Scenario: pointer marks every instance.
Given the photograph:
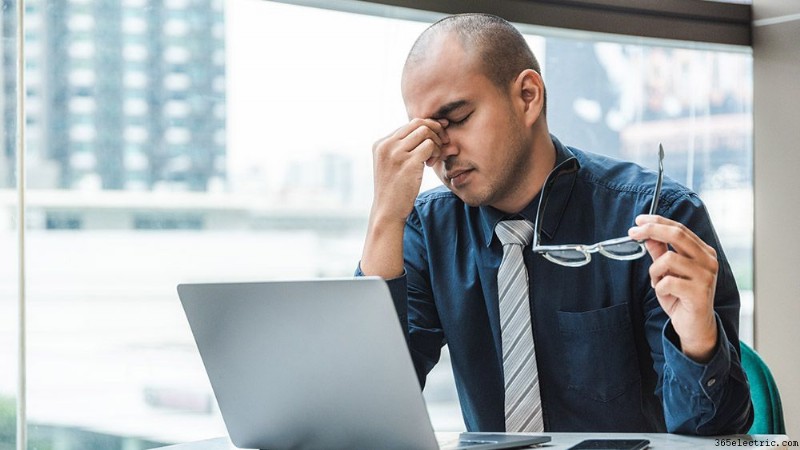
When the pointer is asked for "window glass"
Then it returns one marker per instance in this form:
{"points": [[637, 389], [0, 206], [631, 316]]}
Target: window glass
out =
{"points": [[624, 98], [219, 141], [9, 278]]}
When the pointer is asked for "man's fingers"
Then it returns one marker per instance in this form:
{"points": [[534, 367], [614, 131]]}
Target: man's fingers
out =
{"points": [[670, 289], [427, 151], [434, 125], [668, 302], [673, 289], [671, 263], [666, 231], [407, 139], [418, 136], [644, 219], [655, 249], [664, 265]]}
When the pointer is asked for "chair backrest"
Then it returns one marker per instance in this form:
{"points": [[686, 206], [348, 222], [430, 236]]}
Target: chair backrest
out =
{"points": [[764, 393]]}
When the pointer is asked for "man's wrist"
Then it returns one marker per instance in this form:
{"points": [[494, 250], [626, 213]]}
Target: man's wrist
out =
{"points": [[380, 221], [383, 248], [701, 349]]}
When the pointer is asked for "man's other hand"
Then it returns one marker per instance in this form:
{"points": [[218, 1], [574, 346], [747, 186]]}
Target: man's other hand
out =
{"points": [[684, 278]]}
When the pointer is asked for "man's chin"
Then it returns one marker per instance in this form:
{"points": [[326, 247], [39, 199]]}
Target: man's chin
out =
{"points": [[470, 200]]}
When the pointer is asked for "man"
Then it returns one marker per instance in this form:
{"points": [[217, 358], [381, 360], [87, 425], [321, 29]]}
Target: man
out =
{"points": [[646, 344]]}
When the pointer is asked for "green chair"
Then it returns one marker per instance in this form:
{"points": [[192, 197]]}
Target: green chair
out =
{"points": [[764, 392]]}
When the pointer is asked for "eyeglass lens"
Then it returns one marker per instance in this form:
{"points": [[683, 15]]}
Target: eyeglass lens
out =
{"points": [[624, 249], [567, 256]]}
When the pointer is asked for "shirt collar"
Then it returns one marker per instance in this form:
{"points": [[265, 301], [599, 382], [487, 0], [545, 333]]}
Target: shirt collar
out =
{"points": [[562, 178]]}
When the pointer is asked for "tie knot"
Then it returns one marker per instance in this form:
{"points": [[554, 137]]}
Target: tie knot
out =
{"points": [[518, 232]]}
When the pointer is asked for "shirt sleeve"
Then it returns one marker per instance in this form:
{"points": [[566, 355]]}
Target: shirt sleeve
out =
{"points": [[711, 398], [397, 289], [705, 399], [413, 300]]}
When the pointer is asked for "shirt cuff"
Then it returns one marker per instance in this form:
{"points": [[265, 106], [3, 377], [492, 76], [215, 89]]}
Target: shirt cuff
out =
{"points": [[701, 379]]}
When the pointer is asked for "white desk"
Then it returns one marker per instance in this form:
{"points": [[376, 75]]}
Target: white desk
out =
{"points": [[561, 441]]}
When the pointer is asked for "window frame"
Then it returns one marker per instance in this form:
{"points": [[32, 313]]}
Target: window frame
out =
{"points": [[685, 20]]}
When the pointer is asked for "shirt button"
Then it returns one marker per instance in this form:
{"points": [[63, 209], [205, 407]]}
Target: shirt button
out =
{"points": [[711, 382]]}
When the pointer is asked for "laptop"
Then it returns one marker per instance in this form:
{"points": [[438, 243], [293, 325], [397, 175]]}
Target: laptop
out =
{"points": [[317, 364]]}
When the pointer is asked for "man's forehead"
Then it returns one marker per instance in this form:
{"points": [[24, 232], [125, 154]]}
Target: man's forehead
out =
{"points": [[442, 77], [436, 104], [448, 98]]}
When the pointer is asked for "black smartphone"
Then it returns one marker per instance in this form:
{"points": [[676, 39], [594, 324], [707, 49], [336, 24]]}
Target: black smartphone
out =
{"points": [[611, 444]]}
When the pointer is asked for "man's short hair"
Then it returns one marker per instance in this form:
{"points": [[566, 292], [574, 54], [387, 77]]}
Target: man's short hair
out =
{"points": [[500, 48]]}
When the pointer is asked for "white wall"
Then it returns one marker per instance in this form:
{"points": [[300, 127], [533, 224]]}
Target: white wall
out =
{"points": [[776, 111]]}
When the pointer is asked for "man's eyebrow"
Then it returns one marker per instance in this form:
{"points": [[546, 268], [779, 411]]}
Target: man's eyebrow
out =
{"points": [[448, 108]]}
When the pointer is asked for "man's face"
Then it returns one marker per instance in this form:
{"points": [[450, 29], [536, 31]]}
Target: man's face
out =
{"points": [[489, 148]]}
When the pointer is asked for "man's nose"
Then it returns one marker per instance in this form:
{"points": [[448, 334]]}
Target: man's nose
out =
{"points": [[449, 148]]}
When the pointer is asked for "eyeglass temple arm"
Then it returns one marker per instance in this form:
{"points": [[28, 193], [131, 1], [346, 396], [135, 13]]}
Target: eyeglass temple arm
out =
{"points": [[657, 194], [536, 229]]}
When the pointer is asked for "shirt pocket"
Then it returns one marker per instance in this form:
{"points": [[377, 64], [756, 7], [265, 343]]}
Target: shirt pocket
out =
{"points": [[600, 350]]}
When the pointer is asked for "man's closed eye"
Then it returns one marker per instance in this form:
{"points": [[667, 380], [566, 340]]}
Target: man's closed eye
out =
{"points": [[453, 122]]}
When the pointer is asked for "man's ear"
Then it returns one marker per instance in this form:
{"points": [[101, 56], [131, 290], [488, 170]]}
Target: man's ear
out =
{"points": [[530, 89]]}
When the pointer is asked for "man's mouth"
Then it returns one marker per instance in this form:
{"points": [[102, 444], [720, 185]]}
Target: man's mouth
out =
{"points": [[457, 177]]}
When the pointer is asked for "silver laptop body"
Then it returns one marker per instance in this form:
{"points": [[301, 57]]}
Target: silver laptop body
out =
{"points": [[317, 364]]}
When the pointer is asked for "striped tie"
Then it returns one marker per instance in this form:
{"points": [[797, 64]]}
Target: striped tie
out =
{"points": [[523, 401]]}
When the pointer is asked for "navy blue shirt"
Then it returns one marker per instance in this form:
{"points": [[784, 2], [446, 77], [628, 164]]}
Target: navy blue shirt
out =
{"points": [[607, 356]]}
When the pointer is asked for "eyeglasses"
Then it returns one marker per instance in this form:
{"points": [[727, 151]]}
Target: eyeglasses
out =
{"points": [[576, 255]]}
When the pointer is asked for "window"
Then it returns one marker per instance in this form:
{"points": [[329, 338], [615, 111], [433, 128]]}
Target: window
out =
{"points": [[169, 222], [9, 238], [244, 154], [56, 221]]}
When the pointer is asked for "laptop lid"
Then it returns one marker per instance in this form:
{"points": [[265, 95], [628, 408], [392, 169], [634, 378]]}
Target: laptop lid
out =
{"points": [[317, 364]]}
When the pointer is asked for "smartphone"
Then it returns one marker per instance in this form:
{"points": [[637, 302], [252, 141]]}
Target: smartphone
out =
{"points": [[611, 444]]}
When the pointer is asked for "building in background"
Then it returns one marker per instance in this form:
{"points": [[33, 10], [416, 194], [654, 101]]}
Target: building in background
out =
{"points": [[126, 94], [8, 96]]}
